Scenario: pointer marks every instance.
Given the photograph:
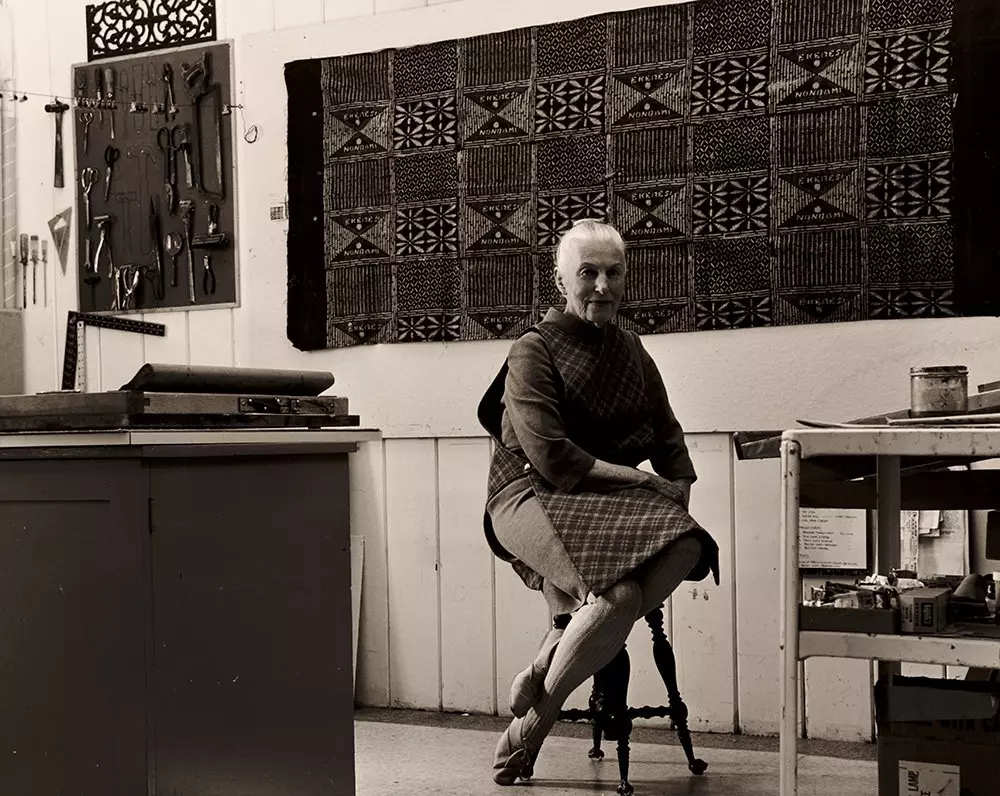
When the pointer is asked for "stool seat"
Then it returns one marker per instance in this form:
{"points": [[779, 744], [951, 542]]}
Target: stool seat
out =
{"points": [[612, 717]]}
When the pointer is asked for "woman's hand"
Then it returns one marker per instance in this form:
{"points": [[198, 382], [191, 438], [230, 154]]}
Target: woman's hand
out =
{"points": [[679, 490]]}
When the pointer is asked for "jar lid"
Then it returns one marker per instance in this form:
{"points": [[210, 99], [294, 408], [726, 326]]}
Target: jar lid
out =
{"points": [[940, 370]]}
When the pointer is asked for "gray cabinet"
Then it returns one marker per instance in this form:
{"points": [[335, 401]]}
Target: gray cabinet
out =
{"points": [[175, 619]]}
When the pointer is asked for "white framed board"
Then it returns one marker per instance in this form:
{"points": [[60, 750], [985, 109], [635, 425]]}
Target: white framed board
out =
{"points": [[834, 540]]}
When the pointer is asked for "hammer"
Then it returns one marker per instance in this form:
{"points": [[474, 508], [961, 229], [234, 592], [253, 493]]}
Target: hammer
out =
{"points": [[58, 107]]}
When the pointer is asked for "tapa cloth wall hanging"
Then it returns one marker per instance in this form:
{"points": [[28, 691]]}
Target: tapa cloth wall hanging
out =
{"points": [[768, 163]]}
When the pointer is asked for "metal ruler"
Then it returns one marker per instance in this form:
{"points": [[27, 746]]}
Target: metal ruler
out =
{"points": [[75, 355]]}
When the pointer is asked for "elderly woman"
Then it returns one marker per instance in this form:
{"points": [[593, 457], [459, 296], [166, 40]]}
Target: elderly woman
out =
{"points": [[578, 405]]}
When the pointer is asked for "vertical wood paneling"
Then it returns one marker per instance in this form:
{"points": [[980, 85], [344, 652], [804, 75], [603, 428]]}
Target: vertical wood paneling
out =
{"points": [[34, 177], [293, 13], [210, 337], [368, 520], [121, 356], [522, 619], [838, 699], [838, 692], [92, 359], [703, 612], [66, 45], [172, 348], [345, 9], [466, 594], [414, 610], [756, 491], [237, 18]]}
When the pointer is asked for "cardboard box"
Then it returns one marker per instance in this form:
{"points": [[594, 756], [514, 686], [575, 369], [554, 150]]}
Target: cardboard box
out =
{"points": [[923, 610], [937, 737]]}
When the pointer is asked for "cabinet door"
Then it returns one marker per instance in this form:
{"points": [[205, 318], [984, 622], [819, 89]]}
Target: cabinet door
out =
{"points": [[72, 635], [252, 617]]}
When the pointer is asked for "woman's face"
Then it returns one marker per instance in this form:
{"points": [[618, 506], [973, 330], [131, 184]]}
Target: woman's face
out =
{"points": [[591, 277]]}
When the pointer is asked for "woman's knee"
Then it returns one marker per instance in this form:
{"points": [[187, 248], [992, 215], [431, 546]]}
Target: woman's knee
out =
{"points": [[625, 596]]}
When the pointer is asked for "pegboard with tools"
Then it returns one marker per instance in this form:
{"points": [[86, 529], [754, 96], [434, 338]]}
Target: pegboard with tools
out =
{"points": [[155, 181]]}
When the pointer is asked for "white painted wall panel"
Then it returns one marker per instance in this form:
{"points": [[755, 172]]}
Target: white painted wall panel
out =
{"points": [[414, 600], [172, 348], [756, 493], [467, 657], [522, 621], [702, 613], [293, 13], [368, 503], [121, 355]]}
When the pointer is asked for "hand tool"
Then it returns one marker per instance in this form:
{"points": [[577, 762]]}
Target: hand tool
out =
{"points": [[186, 151], [208, 280], [111, 155], [109, 96], [91, 280], [59, 228], [74, 351], [45, 272], [138, 107], [126, 281], [170, 107], [155, 235], [173, 244], [213, 218], [99, 86], [165, 141], [197, 78], [58, 107], [215, 94], [87, 117], [34, 269], [23, 242], [187, 216], [88, 178], [104, 225], [81, 89]]}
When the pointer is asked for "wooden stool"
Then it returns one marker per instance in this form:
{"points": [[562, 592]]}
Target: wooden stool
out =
{"points": [[611, 715]]}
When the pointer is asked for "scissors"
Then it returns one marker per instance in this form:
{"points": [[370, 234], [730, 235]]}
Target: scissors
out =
{"points": [[87, 117], [88, 178], [111, 156]]}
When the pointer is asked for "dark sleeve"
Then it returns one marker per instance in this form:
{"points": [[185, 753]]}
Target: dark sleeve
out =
{"points": [[671, 459], [531, 399]]}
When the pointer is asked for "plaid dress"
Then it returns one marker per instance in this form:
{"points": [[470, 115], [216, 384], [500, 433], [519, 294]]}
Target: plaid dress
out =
{"points": [[603, 405]]}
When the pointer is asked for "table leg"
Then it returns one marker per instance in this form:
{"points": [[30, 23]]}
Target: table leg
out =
{"points": [[790, 466], [888, 546]]}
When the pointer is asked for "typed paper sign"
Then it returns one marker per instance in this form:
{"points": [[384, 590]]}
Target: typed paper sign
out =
{"points": [[928, 779]]}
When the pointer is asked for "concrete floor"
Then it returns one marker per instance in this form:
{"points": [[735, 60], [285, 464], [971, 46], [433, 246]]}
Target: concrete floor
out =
{"points": [[400, 753]]}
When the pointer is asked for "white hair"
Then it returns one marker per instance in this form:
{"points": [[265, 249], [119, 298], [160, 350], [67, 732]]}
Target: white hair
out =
{"points": [[587, 229]]}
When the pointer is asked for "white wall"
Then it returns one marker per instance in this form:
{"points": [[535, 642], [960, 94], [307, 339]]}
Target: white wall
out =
{"points": [[442, 625]]}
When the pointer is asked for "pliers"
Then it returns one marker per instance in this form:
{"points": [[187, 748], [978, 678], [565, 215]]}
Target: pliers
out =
{"points": [[208, 278]]}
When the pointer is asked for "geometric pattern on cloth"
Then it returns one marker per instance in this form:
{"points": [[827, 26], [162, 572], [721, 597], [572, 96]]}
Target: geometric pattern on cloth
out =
{"points": [[768, 162]]}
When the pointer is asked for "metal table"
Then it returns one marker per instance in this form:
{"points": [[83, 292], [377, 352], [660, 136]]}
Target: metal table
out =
{"points": [[887, 469]]}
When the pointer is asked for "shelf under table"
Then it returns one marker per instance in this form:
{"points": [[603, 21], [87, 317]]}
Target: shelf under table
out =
{"points": [[951, 650]]}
